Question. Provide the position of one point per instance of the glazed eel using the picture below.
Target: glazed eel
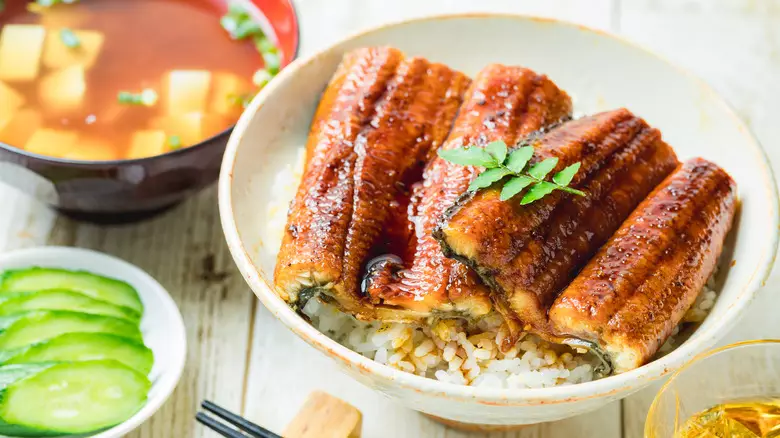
(378, 121)
(635, 291)
(527, 254)
(503, 103)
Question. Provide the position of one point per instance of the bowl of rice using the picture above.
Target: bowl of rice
(456, 375)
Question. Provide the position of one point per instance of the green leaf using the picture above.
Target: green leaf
(519, 158)
(261, 78)
(69, 38)
(541, 169)
(488, 177)
(498, 150)
(147, 97)
(245, 29)
(515, 186)
(572, 191)
(174, 142)
(272, 62)
(538, 191)
(564, 177)
(127, 97)
(468, 156)
(229, 23)
(264, 44)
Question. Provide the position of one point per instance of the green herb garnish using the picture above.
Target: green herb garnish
(499, 163)
(241, 100)
(261, 78)
(269, 52)
(69, 38)
(240, 25)
(272, 62)
(174, 142)
(147, 97)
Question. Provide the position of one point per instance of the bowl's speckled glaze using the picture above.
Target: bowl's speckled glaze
(129, 190)
(601, 72)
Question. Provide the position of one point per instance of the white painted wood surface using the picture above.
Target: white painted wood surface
(242, 358)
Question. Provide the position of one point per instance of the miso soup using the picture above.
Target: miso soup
(119, 79)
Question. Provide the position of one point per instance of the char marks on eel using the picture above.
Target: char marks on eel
(378, 121)
(631, 295)
(529, 253)
(503, 103)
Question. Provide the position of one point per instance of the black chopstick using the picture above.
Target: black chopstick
(254, 430)
(218, 427)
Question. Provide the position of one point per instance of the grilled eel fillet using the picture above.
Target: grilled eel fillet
(376, 124)
(503, 103)
(631, 295)
(528, 254)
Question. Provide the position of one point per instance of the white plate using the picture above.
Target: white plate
(162, 326)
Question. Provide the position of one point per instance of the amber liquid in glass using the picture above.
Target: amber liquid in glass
(748, 419)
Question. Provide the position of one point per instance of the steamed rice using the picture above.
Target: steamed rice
(448, 351)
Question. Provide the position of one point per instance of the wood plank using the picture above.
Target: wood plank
(324, 22)
(283, 369)
(735, 46)
(184, 249)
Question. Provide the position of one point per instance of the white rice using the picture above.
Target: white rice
(447, 351)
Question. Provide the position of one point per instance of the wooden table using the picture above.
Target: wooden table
(240, 357)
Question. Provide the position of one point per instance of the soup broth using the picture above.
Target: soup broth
(116, 79)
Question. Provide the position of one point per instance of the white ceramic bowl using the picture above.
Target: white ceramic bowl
(161, 326)
(601, 72)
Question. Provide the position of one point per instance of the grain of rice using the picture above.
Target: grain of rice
(482, 354)
(449, 351)
(424, 348)
(381, 355)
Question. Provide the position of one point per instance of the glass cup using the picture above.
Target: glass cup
(745, 371)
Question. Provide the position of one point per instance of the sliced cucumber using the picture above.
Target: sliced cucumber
(95, 286)
(66, 398)
(33, 327)
(61, 299)
(79, 347)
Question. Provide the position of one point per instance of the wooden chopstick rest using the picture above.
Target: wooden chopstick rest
(325, 416)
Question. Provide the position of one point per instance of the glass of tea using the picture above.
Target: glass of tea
(733, 391)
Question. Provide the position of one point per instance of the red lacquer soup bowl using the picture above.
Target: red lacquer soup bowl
(125, 190)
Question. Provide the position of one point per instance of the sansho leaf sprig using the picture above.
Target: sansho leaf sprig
(499, 163)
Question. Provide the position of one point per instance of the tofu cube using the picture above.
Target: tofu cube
(51, 142)
(187, 91)
(63, 90)
(226, 85)
(20, 127)
(21, 46)
(57, 55)
(147, 143)
(10, 102)
(92, 149)
(191, 128)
